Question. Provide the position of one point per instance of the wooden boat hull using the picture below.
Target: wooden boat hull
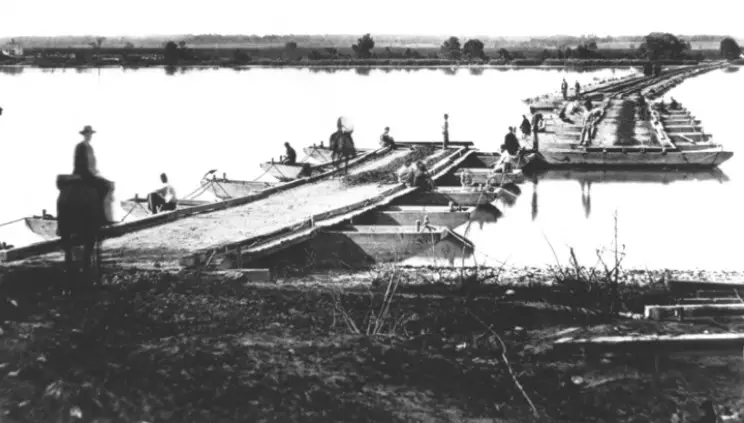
(27, 231)
(484, 176)
(487, 160)
(282, 172)
(136, 208)
(226, 189)
(385, 244)
(409, 215)
(704, 158)
(317, 154)
(443, 196)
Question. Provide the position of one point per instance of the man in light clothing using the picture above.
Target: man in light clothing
(406, 172)
(163, 199)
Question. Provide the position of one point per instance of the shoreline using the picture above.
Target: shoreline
(353, 64)
(504, 275)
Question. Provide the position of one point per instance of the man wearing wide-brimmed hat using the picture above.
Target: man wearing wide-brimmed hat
(85, 166)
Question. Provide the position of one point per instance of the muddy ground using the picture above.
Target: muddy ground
(163, 347)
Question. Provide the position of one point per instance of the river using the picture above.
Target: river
(184, 124)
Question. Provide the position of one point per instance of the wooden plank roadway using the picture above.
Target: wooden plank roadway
(261, 246)
(164, 245)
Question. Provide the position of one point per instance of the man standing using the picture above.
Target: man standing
(386, 140)
(85, 166)
(509, 151)
(445, 131)
(564, 89)
(525, 127)
(577, 87)
(163, 199)
(536, 121)
(291, 157)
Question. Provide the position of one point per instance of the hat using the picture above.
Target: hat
(87, 130)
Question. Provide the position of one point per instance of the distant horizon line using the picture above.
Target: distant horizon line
(217, 34)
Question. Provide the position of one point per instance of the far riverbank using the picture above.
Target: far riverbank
(127, 62)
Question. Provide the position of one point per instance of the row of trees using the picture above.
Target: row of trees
(655, 46)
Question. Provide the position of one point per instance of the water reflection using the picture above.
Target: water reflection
(476, 71)
(586, 197)
(586, 178)
(362, 71)
(11, 70)
(482, 214)
(634, 175)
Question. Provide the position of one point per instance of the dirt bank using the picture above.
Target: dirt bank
(159, 347)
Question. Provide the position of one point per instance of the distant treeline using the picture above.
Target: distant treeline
(336, 41)
(368, 51)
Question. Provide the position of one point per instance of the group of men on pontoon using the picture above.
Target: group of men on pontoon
(512, 152)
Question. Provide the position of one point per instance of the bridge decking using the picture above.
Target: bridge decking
(166, 244)
(619, 126)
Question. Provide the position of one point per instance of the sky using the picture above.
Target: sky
(404, 17)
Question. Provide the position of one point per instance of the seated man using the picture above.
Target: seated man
(466, 178)
(85, 167)
(421, 177)
(673, 104)
(163, 199)
(386, 140)
(405, 173)
(291, 157)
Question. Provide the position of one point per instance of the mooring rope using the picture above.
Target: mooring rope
(12, 221)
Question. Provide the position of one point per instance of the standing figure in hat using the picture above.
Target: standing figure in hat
(85, 167)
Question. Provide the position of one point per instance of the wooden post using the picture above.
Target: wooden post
(239, 257)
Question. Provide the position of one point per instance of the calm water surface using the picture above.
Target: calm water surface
(185, 124)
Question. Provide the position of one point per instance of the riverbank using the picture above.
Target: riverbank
(116, 61)
(186, 347)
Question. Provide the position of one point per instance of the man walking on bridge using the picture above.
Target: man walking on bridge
(577, 87)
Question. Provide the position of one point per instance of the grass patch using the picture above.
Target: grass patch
(388, 174)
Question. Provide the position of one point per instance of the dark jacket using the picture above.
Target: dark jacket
(84, 161)
(511, 143)
(525, 127)
(291, 155)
